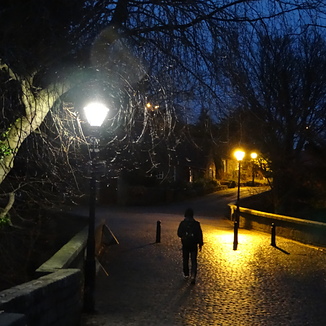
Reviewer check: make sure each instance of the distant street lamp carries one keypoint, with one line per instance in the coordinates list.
(239, 155)
(253, 155)
(151, 107)
(95, 115)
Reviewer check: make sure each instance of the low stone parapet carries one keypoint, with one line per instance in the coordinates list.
(10, 319)
(54, 299)
(55, 296)
(69, 256)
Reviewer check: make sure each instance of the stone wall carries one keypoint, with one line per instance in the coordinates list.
(55, 296)
(54, 299)
(305, 231)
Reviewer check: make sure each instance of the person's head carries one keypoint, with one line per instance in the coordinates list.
(189, 213)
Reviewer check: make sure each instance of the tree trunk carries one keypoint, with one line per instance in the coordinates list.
(36, 108)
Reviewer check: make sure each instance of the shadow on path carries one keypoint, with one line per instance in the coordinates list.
(282, 250)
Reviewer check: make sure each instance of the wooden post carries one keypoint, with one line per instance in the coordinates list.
(158, 232)
(273, 235)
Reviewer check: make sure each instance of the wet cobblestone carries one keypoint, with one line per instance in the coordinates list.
(255, 285)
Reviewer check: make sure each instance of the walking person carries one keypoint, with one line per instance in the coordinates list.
(191, 235)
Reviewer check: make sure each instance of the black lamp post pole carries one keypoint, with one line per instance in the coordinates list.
(238, 196)
(253, 174)
(237, 214)
(90, 263)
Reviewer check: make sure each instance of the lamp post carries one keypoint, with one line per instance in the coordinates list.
(95, 115)
(253, 155)
(239, 155)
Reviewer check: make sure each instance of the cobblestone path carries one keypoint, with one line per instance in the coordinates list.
(255, 285)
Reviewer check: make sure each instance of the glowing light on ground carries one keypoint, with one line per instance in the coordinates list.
(248, 244)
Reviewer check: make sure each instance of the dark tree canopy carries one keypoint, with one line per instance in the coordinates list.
(127, 53)
(280, 82)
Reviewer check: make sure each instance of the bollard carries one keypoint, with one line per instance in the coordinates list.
(273, 235)
(158, 232)
(235, 240)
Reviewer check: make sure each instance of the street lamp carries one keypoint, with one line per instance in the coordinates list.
(95, 114)
(151, 107)
(239, 155)
(253, 155)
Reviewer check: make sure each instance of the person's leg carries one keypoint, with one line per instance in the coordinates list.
(185, 259)
(193, 255)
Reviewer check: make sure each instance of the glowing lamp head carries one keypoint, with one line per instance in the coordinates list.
(253, 155)
(239, 154)
(96, 113)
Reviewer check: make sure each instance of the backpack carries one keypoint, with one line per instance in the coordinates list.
(189, 236)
